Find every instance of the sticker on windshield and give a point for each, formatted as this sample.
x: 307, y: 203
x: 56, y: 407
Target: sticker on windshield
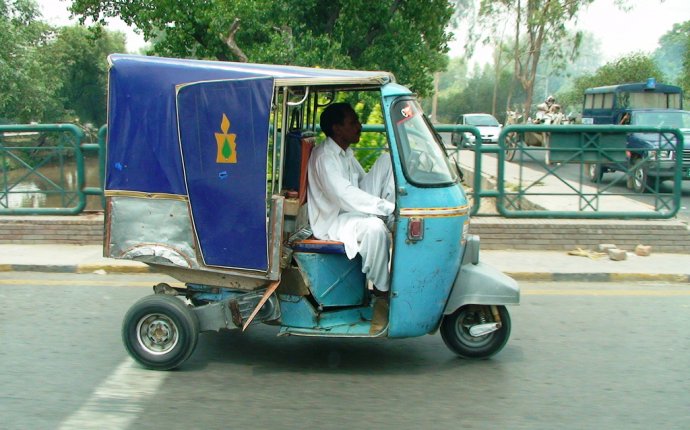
x: 406, y: 112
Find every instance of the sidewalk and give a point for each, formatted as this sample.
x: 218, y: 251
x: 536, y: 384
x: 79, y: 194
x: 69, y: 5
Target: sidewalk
x: 522, y: 265
x: 550, y: 191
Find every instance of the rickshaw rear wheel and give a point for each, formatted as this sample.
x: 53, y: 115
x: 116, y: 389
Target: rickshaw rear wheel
x: 455, y: 331
x: 160, y: 332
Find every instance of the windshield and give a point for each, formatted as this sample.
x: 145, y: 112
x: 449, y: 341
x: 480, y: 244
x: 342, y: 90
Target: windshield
x: 423, y: 159
x: 662, y: 119
x: 483, y: 120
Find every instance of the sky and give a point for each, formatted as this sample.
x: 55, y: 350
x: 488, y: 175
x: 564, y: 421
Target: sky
x: 55, y: 12
x: 619, y: 32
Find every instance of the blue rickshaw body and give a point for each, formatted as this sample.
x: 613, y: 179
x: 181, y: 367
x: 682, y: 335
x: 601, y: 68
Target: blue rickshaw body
x: 197, y: 185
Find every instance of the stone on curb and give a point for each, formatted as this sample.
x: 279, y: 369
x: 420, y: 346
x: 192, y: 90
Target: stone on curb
x: 604, y: 247
x: 616, y: 254
x: 643, y: 250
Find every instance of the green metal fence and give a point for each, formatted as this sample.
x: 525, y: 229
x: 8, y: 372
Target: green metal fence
x: 578, y: 171
x: 535, y: 171
x: 42, y: 169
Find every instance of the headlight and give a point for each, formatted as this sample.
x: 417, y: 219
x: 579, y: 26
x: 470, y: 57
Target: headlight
x: 664, y: 155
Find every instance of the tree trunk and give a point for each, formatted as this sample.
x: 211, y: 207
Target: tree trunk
x: 230, y: 41
x: 516, y: 55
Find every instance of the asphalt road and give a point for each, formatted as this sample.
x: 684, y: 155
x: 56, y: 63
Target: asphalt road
x: 580, y: 356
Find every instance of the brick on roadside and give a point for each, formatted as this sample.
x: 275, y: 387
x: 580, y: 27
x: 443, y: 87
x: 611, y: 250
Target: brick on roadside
x: 616, y: 254
x: 643, y: 250
x: 604, y: 247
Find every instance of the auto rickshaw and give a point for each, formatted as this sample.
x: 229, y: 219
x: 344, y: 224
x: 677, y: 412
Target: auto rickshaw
x: 206, y: 182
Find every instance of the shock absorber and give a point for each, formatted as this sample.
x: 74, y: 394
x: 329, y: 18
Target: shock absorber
x: 482, y: 315
x: 497, y: 316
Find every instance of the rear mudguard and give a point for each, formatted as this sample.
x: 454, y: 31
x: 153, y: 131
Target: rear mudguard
x: 481, y: 284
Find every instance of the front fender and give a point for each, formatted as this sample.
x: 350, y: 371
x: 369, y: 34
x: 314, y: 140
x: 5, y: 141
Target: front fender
x: 481, y: 284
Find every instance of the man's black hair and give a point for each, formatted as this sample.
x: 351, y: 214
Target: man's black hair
x: 334, y: 114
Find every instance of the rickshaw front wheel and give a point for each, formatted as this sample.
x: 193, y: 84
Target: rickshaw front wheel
x: 455, y: 331
x: 160, y: 332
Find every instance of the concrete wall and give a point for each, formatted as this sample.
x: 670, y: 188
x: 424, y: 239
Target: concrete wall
x: 567, y: 234
x: 496, y: 233
x: 78, y: 230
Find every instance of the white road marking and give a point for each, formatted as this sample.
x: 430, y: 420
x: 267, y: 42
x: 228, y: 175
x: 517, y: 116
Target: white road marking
x: 119, y: 400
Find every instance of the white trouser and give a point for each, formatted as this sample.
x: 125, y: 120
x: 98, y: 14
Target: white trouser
x: 372, y: 238
x: 379, y: 179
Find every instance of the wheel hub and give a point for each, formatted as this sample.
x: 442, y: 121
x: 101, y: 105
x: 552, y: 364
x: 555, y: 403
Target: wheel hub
x: 157, y: 333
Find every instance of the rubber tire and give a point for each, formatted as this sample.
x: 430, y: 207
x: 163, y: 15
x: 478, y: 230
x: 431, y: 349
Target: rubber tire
x: 455, y: 140
x: 512, y: 144
x: 181, y: 318
x: 457, y: 338
x: 595, y: 172
x: 641, y: 183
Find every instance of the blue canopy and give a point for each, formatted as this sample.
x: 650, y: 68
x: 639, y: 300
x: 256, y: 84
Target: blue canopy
x: 144, y: 152
x: 198, y: 131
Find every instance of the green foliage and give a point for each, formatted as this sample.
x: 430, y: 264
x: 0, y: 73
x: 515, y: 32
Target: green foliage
x: 685, y: 79
x: 49, y: 74
x: 25, y: 86
x: 554, y: 77
x: 370, y: 143
x: 454, y: 79
x: 477, y: 97
x: 673, y: 56
x: 672, y: 48
x: 538, y: 24
x: 408, y: 38
x: 79, y: 57
x: 633, y: 68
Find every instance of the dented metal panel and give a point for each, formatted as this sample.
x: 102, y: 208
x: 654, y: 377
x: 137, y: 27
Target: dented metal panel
x: 150, y: 230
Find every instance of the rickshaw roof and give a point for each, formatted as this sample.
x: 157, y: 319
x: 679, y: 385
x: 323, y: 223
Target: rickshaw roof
x: 282, y: 75
x: 145, y: 110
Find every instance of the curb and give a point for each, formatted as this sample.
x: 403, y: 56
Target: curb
x: 112, y: 268
x: 79, y: 268
x: 598, y: 277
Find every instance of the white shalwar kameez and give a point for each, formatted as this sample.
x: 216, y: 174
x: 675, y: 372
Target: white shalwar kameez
x: 344, y: 203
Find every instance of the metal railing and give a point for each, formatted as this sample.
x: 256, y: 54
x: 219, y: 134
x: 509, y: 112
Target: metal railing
x: 43, y: 165
x: 520, y: 177
x: 578, y: 171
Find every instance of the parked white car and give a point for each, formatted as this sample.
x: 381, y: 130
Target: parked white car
x: 488, y: 126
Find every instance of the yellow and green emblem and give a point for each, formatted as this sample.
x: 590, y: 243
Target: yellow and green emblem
x: 227, y: 151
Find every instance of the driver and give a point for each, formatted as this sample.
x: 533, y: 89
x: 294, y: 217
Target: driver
x: 344, y: 202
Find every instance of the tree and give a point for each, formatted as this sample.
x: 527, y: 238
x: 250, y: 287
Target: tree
x: 477, y: 95
x: 554, y: 77
x: 406, y: 37
x: 537, y: 23
x: 454, y: 78
x: 673, y: 46
x: 685, y: 79
x: 26, y: 85
x: 632, y: 68
x: 79, y: 57
x: 51, y: 74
